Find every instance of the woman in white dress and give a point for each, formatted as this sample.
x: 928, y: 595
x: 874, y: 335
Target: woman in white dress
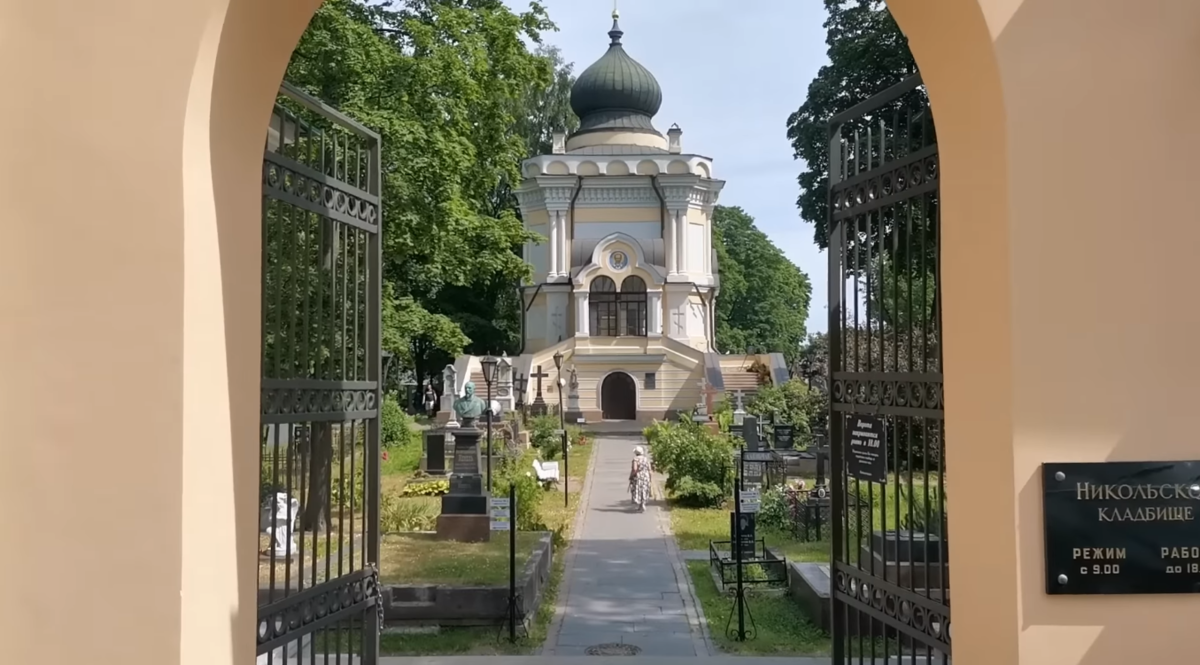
x: 639, y: 478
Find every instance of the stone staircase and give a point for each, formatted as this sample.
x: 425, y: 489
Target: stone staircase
x: 736, y: 380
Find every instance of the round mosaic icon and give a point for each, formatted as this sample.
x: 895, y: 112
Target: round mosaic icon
x: 618, y: 260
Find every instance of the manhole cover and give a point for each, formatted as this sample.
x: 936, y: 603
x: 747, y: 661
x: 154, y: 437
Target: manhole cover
x: 613, y: 649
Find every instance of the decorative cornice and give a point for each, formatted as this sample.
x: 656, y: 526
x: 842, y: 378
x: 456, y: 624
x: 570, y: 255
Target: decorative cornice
x: 642, y: 196
x: 547, y: 192
x: 691, y: 192
x: 570, y: 164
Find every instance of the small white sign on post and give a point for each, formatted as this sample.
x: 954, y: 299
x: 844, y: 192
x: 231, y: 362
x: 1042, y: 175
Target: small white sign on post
x: 501, y: 514
x: 751, y: 501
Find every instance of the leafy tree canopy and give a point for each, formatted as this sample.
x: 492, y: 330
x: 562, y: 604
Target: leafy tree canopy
x: 867, y: 55
x: 444, y: 82
x: 764, y: 297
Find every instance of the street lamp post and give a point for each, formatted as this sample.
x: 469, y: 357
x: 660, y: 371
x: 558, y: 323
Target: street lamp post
x: 489, y: 364
x: 562, y: 424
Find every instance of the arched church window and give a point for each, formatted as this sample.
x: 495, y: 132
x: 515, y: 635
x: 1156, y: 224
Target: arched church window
x: 632, y: 310
x: 602, y: 303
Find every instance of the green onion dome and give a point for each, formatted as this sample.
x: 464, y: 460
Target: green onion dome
x: 616, y: 92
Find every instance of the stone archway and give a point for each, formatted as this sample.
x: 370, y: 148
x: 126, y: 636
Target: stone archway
x: 178, y: 97
x: 618, y: 397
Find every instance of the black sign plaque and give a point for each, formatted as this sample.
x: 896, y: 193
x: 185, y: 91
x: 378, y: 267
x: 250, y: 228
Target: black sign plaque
x: 1121, y: 527
x: 866, y: 448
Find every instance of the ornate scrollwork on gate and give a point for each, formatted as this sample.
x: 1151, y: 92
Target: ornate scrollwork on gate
x: 912, y: 394
x: 292, y: 618
x: 899, y: 181
x: 297, y: 184
x: 313, y: 402
x: 923, y: 618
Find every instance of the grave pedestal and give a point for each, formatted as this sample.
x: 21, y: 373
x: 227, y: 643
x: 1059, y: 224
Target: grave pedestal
x: 903, y: 558
x: 465, y: 508
x: 573, y: 414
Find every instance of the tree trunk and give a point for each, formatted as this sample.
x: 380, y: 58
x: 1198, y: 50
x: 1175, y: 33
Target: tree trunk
x: 316, y: 507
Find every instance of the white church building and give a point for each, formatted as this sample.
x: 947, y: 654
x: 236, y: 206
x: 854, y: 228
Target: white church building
x: 625, y: 279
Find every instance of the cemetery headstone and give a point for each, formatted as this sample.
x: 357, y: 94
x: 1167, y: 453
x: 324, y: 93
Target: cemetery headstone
x: 539, y: 407
x: 866, y: 448
x: 750, y: 433
x: 785, y: 437
x: 747, y: 528
x: 435, y: 452
x: 465, y: 507
x: 450, y: 394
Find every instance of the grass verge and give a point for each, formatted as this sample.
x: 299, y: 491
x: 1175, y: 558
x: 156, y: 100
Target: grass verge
x: 781, y: 629
x: 557, y: 514
x: 694, y: 528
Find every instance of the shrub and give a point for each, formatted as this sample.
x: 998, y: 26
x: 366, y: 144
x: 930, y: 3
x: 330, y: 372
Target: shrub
x: 774, y: 511
x: 426, y: 488
x: 343, y: 491
x: 791, y: 402
x: 697, y: 462
x: 529, y: 496
x: 399, y: 515
x: 396, y: 428
x: 543, y: 437
x: 691, y: 492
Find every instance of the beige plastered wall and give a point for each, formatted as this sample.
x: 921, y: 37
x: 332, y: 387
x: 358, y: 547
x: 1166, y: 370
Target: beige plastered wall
x: 129, y: 339
x: 129, y: 290
x: 1067, y: 133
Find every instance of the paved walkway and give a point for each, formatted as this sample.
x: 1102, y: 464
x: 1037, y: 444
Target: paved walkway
x: 625, y: 582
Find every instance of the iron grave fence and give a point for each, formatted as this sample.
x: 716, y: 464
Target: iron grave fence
x: 320, y: 393
x: 890, y: 588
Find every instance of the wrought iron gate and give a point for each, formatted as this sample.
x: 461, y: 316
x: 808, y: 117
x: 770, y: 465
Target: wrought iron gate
x: 890, y: 567
x: 320, y: 455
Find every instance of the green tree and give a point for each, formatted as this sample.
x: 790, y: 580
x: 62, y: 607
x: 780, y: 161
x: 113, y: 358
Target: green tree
x: 546, y: 107
x: 867, y: 55
x: 764, y: 297
x: 812, y: 365
x: 443, y: 82
x: 791, y: 402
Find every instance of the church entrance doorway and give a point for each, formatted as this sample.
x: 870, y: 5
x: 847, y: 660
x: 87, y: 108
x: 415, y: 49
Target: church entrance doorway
x: 618, y: 397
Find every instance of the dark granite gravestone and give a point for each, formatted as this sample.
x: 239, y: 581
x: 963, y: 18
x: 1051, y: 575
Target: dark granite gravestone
x: 750, y: 433
x: 465, y: 508
x: 435, y: 452
x: 747, y: 542
x: 785, y: 437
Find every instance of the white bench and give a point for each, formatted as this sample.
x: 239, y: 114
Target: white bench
x: 547, y: 472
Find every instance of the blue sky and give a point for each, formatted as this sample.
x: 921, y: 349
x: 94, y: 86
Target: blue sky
x: 731, y: 73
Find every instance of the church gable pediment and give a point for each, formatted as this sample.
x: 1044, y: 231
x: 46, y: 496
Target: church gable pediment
x: 619, y: 253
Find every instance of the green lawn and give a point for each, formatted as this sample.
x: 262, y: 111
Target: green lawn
x: 480, y: 563
x: 780, y: 628
x: 694, y: 528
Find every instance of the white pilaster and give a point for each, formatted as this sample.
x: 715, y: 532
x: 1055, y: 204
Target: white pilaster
x: 669, y: 243
x: 582, y: 314
x: 564, y: 253
x: 552, y: 239
x: 654, y: 313
x: 681, y: 244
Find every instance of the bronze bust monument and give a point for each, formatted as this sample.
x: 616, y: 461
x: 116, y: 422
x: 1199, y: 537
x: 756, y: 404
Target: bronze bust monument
x: 468, y: 407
